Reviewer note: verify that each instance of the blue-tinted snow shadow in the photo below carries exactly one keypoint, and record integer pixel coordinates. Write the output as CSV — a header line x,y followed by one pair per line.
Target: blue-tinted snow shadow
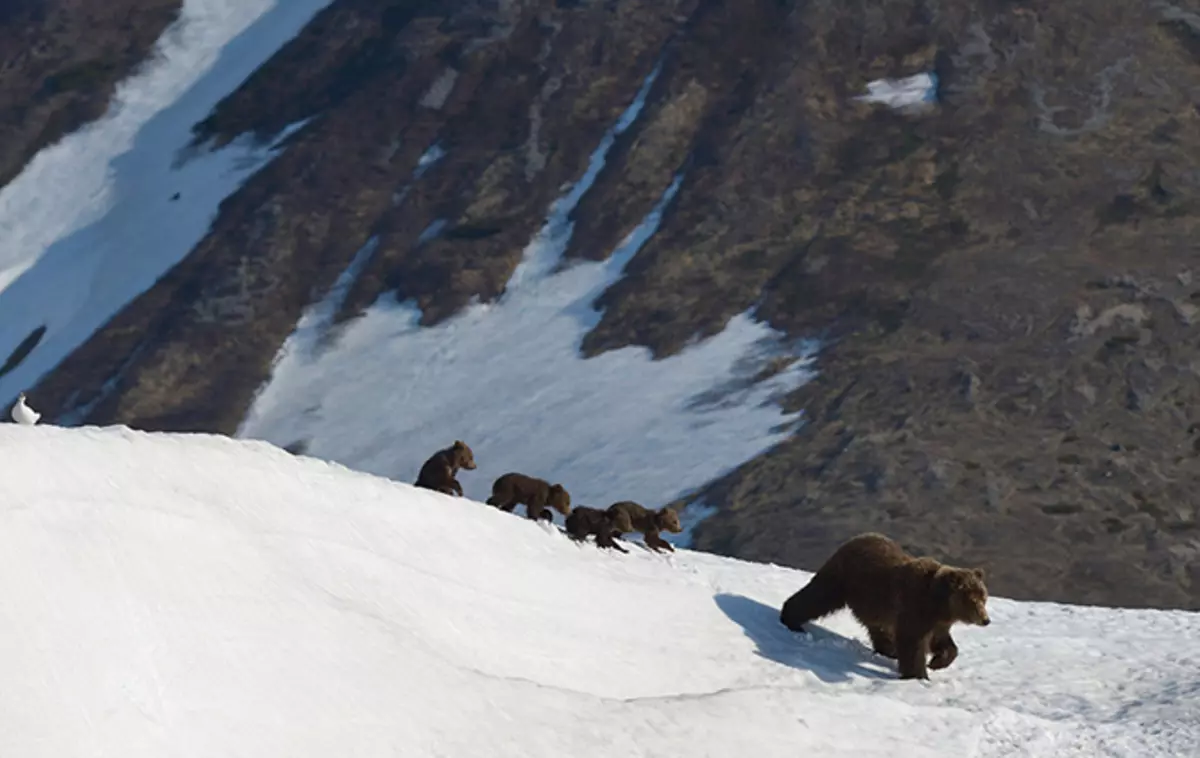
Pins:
x,y
830,656
141,177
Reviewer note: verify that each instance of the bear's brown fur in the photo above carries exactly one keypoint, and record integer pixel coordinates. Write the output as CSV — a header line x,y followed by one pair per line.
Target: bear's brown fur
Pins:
x,y
598,523
513,488
648,522
438,472
907,604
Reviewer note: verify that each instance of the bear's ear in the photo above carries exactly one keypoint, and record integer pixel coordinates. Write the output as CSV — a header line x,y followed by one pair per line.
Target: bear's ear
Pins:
x,y
459,443
978,572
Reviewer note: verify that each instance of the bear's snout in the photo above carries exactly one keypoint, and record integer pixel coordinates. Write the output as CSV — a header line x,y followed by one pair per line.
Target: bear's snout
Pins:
x,y
985,621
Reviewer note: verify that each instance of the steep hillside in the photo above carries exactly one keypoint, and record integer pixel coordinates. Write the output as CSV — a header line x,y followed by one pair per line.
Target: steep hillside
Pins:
x,y
1002,284
61,60
194,596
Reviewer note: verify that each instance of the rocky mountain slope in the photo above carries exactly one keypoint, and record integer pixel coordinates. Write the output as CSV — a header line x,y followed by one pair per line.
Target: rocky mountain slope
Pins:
x,y
60,61
1004,284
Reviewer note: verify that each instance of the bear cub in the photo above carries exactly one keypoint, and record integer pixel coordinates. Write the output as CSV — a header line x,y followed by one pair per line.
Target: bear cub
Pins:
x,y
513,488
648,522
438,472
907,604
598,523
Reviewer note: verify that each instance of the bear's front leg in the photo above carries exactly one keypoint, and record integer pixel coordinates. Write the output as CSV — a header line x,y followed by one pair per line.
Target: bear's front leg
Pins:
x,y
657,543
943,648
912,650
537,505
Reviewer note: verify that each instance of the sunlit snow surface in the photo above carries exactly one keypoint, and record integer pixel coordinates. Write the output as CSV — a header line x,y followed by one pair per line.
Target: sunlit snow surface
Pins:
x,y
90,223
382,393
172,595
912,93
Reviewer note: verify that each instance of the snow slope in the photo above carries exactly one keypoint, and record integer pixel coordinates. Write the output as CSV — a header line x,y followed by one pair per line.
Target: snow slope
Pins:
x,y
90,224
188,595
382,393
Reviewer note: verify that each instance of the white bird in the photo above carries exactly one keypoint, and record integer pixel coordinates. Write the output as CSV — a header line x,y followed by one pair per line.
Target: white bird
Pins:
x,y
23,414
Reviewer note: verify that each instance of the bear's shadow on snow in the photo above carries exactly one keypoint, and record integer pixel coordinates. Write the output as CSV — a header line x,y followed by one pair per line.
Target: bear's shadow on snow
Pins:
x,y
829,655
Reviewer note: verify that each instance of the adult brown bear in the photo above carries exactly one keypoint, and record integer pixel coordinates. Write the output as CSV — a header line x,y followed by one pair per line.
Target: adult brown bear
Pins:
x,y
907,604
438,473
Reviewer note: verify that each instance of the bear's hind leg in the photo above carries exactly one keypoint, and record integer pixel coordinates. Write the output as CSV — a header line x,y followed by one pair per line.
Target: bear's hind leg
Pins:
x,y
505,502
604,539
501,499
882,641
820,597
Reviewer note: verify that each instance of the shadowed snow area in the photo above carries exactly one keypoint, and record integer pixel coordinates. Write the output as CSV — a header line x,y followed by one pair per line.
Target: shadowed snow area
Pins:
x,y
90,223
381,393
190,595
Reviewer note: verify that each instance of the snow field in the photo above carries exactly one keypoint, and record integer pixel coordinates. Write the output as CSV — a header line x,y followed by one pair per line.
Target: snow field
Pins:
x,y
193,595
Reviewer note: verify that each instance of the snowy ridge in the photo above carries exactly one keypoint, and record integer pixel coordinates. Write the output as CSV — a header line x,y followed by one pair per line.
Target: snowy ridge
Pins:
x,y
189,595
381,393
90,223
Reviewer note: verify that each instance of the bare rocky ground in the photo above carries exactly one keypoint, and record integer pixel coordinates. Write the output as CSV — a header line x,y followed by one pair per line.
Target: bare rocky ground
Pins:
x,y
1006,285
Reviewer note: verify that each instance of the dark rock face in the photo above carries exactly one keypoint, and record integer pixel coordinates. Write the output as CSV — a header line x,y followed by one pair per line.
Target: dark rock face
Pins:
x,y
60,61
1005,283
1011,285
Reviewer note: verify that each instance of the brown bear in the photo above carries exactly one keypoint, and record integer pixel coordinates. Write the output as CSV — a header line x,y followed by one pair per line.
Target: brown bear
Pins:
x,y
601,524
648,522
438,472
907,604
513,488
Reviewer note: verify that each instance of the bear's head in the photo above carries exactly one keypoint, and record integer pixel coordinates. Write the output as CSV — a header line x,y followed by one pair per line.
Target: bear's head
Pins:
x,y
463,457
964,593
667,520
559,499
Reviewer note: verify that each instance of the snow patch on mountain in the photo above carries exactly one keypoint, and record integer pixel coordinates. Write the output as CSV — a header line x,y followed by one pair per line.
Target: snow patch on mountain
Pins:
x,y
507,378
95,219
